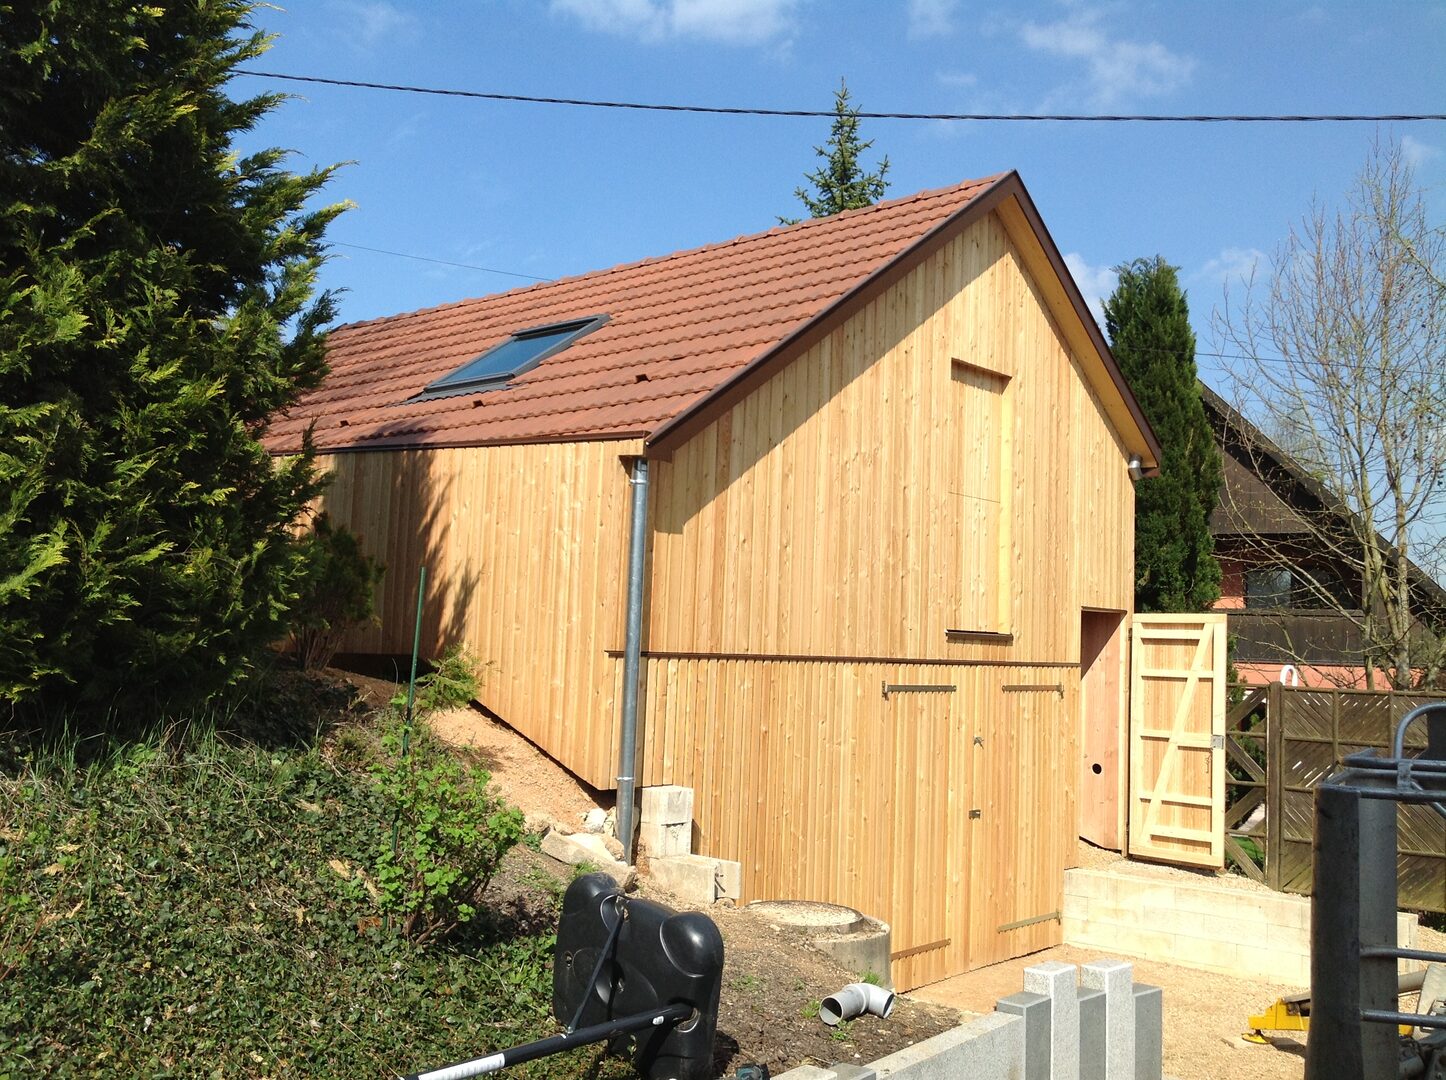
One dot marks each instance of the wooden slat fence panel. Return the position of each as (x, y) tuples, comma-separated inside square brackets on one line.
[(1246, 756), (1311, 732)]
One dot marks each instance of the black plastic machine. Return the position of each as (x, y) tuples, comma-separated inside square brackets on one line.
[(625, 967)]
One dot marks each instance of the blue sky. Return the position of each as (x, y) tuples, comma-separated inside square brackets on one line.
[(552, 190)]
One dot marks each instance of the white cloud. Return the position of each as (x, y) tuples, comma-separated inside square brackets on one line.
[(1116, 70), (1231, 267), (1095, 283), (366, 24), (731, 22), (1418, 153), (931, 18), (964, 79)]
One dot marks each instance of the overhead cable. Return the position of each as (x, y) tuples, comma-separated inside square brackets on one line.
[(719, 110)]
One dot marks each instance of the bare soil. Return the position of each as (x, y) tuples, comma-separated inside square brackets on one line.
[(521, 773), (1093, 858), (773, 980)]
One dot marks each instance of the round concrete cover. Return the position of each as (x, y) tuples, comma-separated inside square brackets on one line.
[(811, 915)]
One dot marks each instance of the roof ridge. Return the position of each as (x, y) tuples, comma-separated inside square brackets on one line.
[(831, 220)]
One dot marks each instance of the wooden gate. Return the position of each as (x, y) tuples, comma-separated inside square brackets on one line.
[(1177, 739)]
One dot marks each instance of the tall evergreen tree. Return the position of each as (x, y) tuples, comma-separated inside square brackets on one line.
[(841, 183), (1148, 322), (156, 307)]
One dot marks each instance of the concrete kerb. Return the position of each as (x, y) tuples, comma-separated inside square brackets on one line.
[(985, 1047), (1103, 1027)]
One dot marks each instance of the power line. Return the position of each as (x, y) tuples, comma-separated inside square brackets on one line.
[(718, 110), (442, 262)]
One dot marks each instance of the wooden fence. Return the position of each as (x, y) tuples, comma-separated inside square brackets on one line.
[(1281, 741)]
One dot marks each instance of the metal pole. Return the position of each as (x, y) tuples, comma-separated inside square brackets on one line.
[(632, 658), (1333, 1048), (1353, 912), (556, 1044)]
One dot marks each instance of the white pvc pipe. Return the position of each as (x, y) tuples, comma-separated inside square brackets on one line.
[(855, 999)]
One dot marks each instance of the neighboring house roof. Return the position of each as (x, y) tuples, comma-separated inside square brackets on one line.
[(686, 334), (1270, 498)]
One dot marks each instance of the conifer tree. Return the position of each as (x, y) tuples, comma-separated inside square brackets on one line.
[(156, 307), (841, 183), (1148, 322)]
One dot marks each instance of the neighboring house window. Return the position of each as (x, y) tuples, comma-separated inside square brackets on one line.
[(983, 486), (1307, 588), (1269, 587), (522, 352)]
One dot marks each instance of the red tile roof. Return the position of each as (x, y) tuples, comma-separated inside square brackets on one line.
[(679, 327)]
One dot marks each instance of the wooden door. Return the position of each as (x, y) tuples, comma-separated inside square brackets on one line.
[(921, 845), (1177, 739), (1022, 834)]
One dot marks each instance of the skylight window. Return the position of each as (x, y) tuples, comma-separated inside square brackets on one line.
[(522, 352)]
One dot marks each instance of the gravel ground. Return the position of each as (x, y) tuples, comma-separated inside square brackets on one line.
[(1205, 1014)]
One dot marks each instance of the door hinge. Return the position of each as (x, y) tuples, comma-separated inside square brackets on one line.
[(1217, 742)]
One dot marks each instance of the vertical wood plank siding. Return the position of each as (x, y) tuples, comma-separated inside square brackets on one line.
[(817, 541), (526, 550), (822, 789), (825, 515)]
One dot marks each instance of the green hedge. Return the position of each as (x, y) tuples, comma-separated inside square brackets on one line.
[(200, 912)]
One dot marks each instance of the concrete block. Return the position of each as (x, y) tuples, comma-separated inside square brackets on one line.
[(1058, 982), (853, 1072), (577, 849), (990, 1046), (1091, 1035), (1034, 1009), (1074, 906), (665, 841), (807, 1072), (729, 879), (669, 805), (866, 951), (691, 878), (1114, 978), (1149, 1032)]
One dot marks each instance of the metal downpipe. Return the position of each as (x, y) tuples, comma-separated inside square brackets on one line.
[(632, 659)]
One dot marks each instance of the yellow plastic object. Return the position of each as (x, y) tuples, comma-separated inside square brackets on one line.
[(1285, 1014)]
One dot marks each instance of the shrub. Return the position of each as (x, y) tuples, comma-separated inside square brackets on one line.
[(335, 593), (196, 914), (158, 267), (452, 683), (451, 833)]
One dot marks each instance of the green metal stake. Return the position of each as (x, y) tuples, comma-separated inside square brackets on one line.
[(411, 700), (416, 647)]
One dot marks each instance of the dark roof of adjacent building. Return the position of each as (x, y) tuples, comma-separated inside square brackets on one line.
[(1270, 498)]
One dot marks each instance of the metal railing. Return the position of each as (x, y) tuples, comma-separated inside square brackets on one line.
[(1354, 951)]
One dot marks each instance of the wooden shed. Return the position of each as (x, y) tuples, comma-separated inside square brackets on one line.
[(885, 559)]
